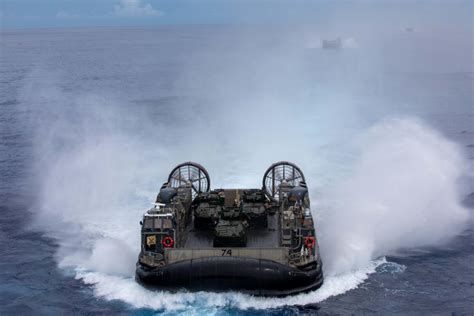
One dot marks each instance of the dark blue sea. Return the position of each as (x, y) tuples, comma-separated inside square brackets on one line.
[(93, 119)]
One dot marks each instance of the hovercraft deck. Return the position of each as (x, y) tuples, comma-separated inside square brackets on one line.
[(258, 241)]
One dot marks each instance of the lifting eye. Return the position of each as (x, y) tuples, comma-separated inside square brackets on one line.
[(167, 242)]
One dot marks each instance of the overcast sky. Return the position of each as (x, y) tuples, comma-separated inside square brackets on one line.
[(70, 13)]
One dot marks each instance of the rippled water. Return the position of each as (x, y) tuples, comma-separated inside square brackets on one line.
[(92, 120)]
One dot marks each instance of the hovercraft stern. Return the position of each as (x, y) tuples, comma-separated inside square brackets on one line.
[(249, 275)]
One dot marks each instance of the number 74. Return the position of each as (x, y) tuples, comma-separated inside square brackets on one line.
[(226, 252)]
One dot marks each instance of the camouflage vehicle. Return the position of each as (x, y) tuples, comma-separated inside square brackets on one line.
[(258, 241), (207, 208), (230, 233), (256, 207), (230, 230)]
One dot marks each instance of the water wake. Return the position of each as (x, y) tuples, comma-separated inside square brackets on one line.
[(112, 287), (399, 190)]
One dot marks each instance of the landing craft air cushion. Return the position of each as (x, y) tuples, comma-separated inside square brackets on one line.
[(257, 241)]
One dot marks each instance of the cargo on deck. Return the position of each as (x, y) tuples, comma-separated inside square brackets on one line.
[(258, 241)]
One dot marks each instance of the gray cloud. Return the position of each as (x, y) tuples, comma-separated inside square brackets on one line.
[(135, 8)]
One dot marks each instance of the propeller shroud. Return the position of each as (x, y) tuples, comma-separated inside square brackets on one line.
[(276, 174), (192, 173)]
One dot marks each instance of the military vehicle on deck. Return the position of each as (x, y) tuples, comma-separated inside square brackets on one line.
[(257, 241)]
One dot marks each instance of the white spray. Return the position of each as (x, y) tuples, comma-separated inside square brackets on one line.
[(100, 164), (403, 192)]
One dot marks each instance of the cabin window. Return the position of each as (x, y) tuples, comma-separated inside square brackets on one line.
[(148, 222), (167, 223), (158, 223), (308, 222)]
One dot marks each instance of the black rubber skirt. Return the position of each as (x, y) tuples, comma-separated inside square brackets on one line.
[(248, 275)]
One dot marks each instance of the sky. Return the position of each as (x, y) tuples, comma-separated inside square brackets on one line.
[(83, 13)]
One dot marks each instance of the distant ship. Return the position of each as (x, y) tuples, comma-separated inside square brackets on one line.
[(257, 241), (332, 44)]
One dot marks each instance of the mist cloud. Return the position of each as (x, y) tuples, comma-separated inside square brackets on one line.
[(236, 104), (135, 8), (403, 192)]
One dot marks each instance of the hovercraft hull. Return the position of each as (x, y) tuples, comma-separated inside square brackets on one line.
[(248, 275)]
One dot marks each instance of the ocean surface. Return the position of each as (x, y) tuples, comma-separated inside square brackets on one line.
[(93, 119)]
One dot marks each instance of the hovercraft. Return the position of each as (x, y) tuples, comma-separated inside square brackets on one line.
[(257, 241)]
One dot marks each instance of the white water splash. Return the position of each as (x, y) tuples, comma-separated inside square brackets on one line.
[(101, 163), (386, 204), (113, 287), (402, 192)]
